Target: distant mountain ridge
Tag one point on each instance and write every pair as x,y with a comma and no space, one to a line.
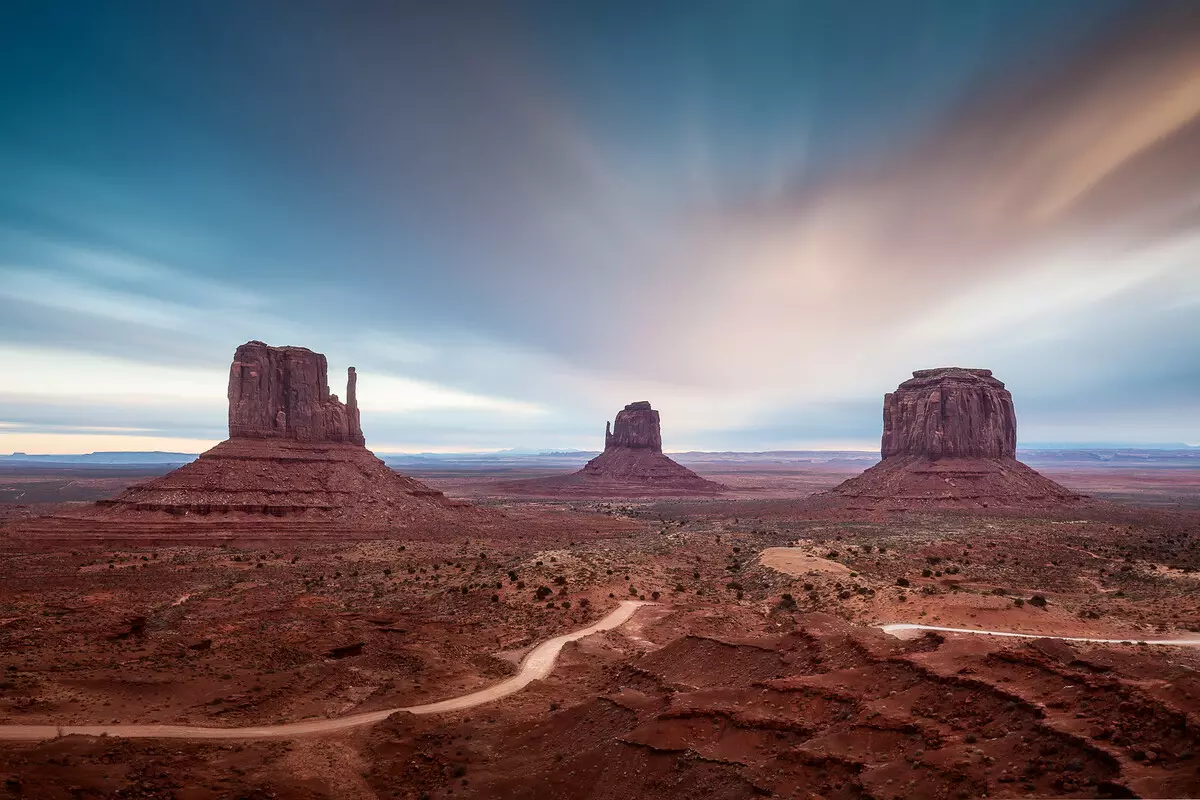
104,457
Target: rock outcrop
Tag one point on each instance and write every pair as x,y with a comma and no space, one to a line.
949,440
283,393
295,463
636,426
950,412
632,464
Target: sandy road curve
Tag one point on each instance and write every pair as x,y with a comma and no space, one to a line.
536,665
906,630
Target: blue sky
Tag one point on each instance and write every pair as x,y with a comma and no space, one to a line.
515,218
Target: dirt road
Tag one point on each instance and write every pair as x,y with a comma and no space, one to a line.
536,665
906,631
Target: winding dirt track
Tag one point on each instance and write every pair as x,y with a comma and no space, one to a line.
900,629
536,665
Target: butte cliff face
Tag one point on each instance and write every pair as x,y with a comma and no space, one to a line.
950,440
636,426
283,393
950,412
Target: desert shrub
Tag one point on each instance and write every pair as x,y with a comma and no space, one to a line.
656,595
495,598
542,592
926,573
566,603
808,587
632,590
902,582
1018,602
1037,600
512,575
787,602
559,580
584,602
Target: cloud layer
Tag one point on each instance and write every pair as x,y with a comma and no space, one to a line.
513,220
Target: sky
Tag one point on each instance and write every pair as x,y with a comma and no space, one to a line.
515,218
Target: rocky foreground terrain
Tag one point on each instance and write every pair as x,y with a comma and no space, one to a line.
759,672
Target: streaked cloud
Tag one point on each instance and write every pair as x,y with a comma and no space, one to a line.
515,219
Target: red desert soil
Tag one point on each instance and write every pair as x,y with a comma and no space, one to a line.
743,680
536,665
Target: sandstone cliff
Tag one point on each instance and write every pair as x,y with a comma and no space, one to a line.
637,425
283,393
950,412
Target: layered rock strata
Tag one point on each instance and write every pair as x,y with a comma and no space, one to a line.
950,412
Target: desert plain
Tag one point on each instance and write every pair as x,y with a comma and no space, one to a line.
758,666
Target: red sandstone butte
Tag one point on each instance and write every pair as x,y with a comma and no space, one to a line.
632,464
295,463
950,439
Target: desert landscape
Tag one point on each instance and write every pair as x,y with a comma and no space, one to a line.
261,623
312,314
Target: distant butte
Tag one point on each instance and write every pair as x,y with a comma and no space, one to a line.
950,440
632,464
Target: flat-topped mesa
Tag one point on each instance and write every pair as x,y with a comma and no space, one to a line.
283,393
950,412
636,426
